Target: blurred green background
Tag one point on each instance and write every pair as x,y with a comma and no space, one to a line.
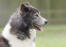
53,10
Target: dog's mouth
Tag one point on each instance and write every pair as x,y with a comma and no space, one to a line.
38,27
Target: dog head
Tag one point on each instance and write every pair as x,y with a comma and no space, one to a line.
31,16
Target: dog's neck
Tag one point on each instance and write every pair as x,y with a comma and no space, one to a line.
19,26
19,34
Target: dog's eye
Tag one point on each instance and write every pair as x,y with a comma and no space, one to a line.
36,15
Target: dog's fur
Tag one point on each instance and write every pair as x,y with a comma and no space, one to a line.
20,30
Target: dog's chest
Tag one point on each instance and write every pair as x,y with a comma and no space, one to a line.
14,42
19,43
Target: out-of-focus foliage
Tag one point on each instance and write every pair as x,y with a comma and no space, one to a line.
53,10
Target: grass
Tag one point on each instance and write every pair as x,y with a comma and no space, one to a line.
54,36
0,30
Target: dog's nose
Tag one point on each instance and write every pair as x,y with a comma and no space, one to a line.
46,22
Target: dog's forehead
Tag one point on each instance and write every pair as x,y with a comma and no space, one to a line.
34,10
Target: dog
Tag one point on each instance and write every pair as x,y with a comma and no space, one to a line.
20,31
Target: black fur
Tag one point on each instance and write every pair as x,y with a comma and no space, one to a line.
3,42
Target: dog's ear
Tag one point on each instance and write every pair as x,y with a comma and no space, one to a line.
24,7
